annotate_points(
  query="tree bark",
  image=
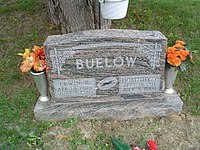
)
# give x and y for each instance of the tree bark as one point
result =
(76, 15)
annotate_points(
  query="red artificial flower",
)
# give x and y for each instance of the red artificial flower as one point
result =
(152, 145)
(39, 51)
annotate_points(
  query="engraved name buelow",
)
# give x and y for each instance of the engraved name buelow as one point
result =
(105, 62)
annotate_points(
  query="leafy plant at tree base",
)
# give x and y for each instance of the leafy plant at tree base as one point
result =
(177, 56)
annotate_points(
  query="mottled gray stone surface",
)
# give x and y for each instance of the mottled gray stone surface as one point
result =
(116, 74)
(119, 109)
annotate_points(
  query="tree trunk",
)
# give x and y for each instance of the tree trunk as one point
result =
(76, 15)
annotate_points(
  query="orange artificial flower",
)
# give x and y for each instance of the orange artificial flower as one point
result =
(24, 68)
(179, 46)
(183, 54)
(173, 60)
(180, 42)
(177, 55)
(26, 65)
(38, 66)
(32, 56)
(39, 51)
(171, 50)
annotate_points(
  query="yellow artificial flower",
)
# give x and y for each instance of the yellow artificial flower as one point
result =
(26, 53)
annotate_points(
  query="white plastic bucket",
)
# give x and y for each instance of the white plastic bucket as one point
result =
(114, 9)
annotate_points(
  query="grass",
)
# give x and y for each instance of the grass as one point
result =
(23, 26)
(18, 5)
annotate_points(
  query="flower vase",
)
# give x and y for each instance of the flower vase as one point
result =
(114, 9)
(41, 84)
(170, 77)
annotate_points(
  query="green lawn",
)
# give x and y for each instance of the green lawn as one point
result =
(24, 23)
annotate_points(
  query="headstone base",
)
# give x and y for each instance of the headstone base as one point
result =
(125, 109)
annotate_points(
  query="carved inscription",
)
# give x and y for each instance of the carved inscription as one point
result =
(104, 62)
(139, 84)
(60, 57)
(74, 87)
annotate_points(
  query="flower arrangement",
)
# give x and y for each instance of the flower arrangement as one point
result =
(177, 55)
(152, 145)
(33, 61)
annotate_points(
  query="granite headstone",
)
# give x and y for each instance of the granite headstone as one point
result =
(106, 74)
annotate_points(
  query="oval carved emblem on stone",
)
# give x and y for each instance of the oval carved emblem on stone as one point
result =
(107, 83)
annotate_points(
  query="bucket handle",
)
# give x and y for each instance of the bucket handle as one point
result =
(110, 1)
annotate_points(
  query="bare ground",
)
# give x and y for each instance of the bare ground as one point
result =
(175, 132)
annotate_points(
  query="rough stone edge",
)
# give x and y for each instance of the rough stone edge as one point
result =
(173, 104)
(103, 33)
